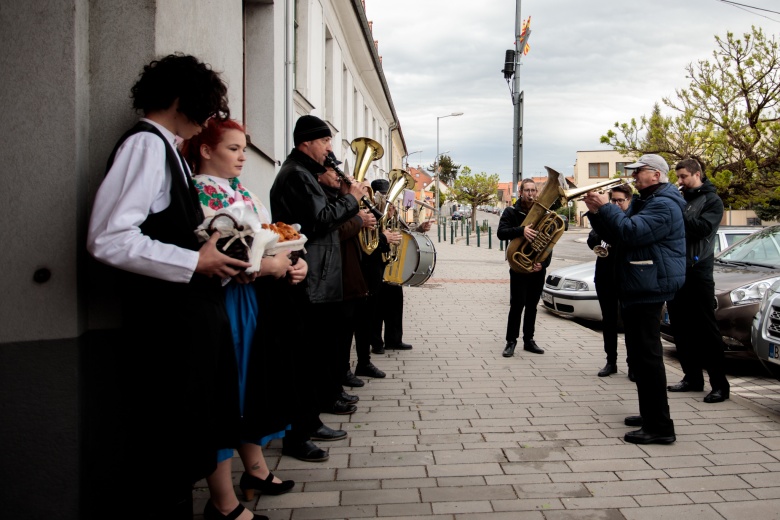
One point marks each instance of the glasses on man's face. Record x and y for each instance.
(640, 170)
(618, 201)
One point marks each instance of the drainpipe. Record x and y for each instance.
(289, 46)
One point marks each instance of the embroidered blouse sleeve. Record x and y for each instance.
(137, 184)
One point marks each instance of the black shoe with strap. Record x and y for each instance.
(212, 513)
(250, 483)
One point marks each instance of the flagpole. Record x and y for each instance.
(517, 102)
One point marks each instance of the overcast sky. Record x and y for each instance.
(591, 63)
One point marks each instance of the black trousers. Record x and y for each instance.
(356, 315)
(643, 341)
(524, 293)
(319, 364)
(388, 304)
(696, 334)
(606, 290)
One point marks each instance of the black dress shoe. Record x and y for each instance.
(509, 350)
(250, 483)
(340, 408)
(400, 346)
(369, 370)
(642, 437)
(327, 434)
(352, 381)
(633, 420)
(685, 386)
(349, 398)
(531, 346)
(716, 396)
(306, 451)
(378, 350)
(631, 376)
(608, 369)
(212, 513)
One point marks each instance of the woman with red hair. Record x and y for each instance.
(253, 304)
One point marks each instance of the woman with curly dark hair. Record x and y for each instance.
(178, 367)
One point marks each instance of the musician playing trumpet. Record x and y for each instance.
(606, 284)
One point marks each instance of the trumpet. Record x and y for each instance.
(367, 203)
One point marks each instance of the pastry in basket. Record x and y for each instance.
(286, 232)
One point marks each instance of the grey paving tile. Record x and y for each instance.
(764, 509)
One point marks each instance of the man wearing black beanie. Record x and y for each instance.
(297, 198)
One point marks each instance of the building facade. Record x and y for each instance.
(68, 67)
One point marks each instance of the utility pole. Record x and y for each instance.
(517, 101)
(512, 72)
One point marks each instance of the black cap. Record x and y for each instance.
(380, 185)
(309, 128)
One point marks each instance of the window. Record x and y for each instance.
(620, 168)
(598, 170)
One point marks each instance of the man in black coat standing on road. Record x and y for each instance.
(524, 289)
(692, 312)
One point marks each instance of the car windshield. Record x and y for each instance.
(760, 248)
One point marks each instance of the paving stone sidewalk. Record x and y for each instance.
(456, 431)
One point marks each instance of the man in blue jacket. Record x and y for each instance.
(650, 269)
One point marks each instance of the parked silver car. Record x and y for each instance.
(571, 291)
(765, 332)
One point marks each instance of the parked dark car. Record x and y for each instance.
(457, 215)
(743, 273)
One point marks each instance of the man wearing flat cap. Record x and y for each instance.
(650, 268)
(297, 198)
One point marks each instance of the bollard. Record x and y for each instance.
(500, 245)
(452, 233)
(438, 231)
(467, 236)
(477, 236)
(490, 238)
(444, 229)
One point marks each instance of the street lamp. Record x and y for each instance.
(436, 164)
(407, 158)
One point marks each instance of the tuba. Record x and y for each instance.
(367, 151)
(523, 254)
(400, 180)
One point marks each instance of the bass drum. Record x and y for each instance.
(416, 260)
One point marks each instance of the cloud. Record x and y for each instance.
(592, 63)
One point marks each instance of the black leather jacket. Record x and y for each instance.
(297, 198)
(702, 215)
(510, 226)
